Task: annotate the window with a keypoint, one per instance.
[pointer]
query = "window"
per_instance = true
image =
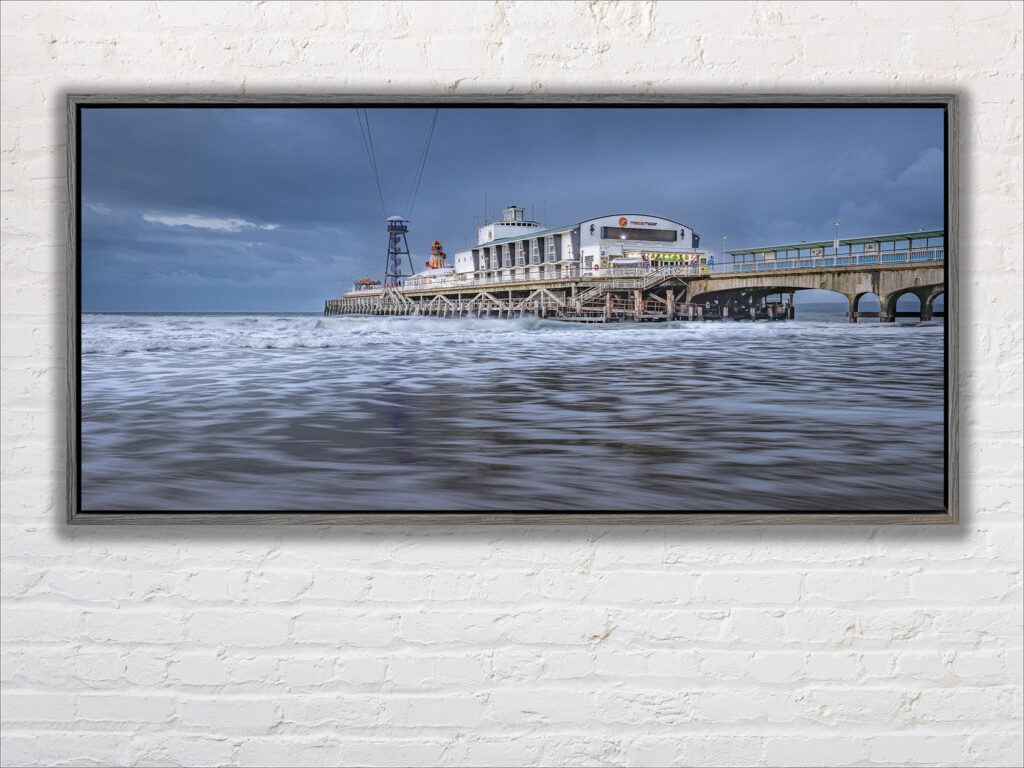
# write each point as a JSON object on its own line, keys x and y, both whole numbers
{"x": 633, "y": 233}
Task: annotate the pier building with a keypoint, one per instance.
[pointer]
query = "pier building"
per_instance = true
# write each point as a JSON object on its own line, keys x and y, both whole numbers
{"x": 514, "y": 248}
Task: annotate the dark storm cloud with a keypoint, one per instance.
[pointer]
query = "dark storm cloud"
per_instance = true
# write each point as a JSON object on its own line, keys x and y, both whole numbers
{"x": 277, "y": 209}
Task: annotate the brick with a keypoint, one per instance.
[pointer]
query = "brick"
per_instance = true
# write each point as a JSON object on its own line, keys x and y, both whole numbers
{"x": 347, "y": 628}
{"x": 32, "y": 707}
{"x": 803, "y": 750}
{"x": 128, "y": 627}
{"x": 522, "y": 706}
{"x": 904, "y": 748}
{"x": 228, "y": 713}
{"x": 959, "y": 587}
{"x": 336, "y": 709}
{"x": 644, "y": 586}
{"x": 451, "y": 711}
{"x": 408, "y": 671}
{"x": 277, "y": 753}
{"x": 119, "y": 708}
{"x": 737, "y": 587}
{"x": 221, "y": 627}
{"x": 180, "y": 748}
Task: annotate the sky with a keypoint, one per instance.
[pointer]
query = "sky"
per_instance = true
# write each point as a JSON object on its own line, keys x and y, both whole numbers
{"x": 277, "y": 209}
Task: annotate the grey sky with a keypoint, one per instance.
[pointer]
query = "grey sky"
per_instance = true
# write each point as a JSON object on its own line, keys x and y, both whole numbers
{"x": 247, "y": 209}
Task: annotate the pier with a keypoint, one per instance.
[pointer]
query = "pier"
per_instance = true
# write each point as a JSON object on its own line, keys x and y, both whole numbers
{"x": 754, "y": 289}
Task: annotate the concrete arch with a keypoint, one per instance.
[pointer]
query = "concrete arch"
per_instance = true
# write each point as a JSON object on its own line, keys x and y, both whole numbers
{"x": 925, "y": 298}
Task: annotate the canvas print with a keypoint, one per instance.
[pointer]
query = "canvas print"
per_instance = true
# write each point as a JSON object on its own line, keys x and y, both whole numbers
{"x": 511, "y": 308}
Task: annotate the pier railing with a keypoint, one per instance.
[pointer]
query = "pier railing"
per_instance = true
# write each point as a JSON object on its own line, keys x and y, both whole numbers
{"x": 608, "y": 277}
{"x": 850, "y": 260}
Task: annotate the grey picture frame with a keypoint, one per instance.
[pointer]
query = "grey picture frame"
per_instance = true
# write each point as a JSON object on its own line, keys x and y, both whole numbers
{"x": 950, "y": 516}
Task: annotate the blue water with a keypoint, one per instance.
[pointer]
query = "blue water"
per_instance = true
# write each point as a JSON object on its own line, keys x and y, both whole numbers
{"x": 306, "y": 413}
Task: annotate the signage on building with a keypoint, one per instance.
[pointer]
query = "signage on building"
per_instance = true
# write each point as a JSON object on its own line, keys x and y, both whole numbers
{"x": 817, "y": 253}
{"x": 624, "y": 222}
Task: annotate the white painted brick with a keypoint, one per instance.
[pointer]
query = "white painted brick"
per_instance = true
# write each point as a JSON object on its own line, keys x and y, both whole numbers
{"x": 225, "y": 627}
{"x": 736, "y": 588}
{"x": 180, "y": 748}
{"x": 449, "y": 710}
{"x": 362, "y": 670}
{"x": 198, "y": 669}
{"x": 427, "y": 626}
{"x": 355, "y": 628}
{"x": 119, "y": 708}
{"x": 339, "y": 585}
{"x": 566, "y": 645}
{"x": 962, "y": 587}
{"x": 399, "y": 587}
{"x": 522, "y": 706}
{"x": 297, "y": 673}
{"x": 558, "y": 626}
{"x": 803, "y": 750}
{"x": 392, "y": 752}
{"x": 408, "y": 671}
{"x": 126, "y": 627}
{"x": 229, "y": 714}
{"x": 333, "y": 710}
{"x": 902, "y": 748}
{"x": 856, "y": 585}
{"x": 963, "y": 703}
{"x": 278, "y": 753}
{"x": 28, "y": 706}
{"x": 644, "y": 586}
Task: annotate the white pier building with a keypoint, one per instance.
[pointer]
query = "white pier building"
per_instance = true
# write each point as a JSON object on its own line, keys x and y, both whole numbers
{"x": 515, "y": 249}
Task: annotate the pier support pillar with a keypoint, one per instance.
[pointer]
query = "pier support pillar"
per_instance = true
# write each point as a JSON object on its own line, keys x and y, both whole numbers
{"x": 607, "y": 305}
{"x": 638, "y": 303}
{"x": 852, "y": 314}
{"x": 670, "y": 304}
{"x": 689, "y": 312}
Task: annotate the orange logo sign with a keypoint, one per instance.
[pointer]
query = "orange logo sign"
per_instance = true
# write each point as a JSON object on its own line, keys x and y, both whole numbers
{"x": 623, "y": 221}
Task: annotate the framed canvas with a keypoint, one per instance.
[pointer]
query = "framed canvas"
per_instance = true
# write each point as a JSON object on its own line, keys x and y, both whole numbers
{"x": 600, "y": 309}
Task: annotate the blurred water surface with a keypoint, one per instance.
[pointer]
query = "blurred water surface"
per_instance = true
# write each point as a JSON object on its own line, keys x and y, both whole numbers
{"x": 306, "y": 413}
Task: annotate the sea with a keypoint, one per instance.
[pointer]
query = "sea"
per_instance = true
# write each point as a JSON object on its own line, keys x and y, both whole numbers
{"x": 305, "y": 413}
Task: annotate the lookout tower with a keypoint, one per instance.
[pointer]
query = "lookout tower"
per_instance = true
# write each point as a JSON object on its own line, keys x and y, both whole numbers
{"x": 398, "y": 246}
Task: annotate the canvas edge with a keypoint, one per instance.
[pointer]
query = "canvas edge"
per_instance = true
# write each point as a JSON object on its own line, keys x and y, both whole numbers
{"x": 951, "y": 516}
{"x": 71, "y": 303}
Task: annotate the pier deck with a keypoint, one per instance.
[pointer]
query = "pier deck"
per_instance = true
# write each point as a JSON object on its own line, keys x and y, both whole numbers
{"x": 669, "y": 293}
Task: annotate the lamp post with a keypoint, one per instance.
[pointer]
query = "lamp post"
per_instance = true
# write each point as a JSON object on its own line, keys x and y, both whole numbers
{"x": 835, "y": 242}
{"x": 724, "y": 238}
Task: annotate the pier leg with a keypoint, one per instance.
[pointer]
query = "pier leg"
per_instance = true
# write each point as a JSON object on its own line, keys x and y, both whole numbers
{"x": 852, "y": 314}
{"x": 638, "y": 304}
{"x": 670, "y": 304}
{"x": 689, "y": 312}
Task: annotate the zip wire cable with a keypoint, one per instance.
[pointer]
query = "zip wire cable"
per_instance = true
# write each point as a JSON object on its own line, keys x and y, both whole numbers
{"x": 422, "y": 166}
{"x": 366, "y": 117}
{"x": 368, "y": 145}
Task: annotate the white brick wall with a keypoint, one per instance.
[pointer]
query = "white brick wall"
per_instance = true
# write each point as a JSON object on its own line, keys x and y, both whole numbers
{"x": 717, "y": 646}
